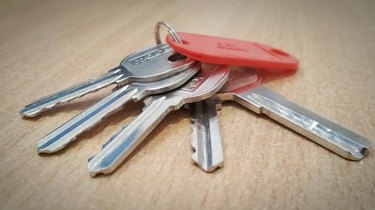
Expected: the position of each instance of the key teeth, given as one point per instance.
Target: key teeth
(198, 130)
(194, 140)
(194, 145)
(29, 113)
(24, 112)
(51, 149)
(46, 150)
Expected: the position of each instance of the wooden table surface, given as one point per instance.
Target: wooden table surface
(49, 45)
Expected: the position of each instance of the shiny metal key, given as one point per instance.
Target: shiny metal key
(205, 136)
(66, 133)
(148, 65)
(242, 88)
(204, 85)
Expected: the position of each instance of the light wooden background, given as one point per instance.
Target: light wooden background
(49, 45)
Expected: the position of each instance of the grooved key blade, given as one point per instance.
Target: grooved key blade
(205, 137)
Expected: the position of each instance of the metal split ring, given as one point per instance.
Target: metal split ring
(170, 31)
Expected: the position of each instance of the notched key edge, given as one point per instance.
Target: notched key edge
(70, 130)
(208, 155)
(60, 97)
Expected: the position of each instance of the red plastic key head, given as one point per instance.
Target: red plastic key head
(211, 49)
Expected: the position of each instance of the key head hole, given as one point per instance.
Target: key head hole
(176, 57)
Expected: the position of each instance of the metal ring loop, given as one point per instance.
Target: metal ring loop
(170, 31)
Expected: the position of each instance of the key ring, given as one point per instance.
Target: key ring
(170, 31)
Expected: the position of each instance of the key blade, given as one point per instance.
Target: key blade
(148, 65)
(124, 142)
(205, 137)
(200, 87)
(320, 130)
(71, 93)
(63, 135)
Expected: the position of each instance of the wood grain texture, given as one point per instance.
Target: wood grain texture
(48, 45)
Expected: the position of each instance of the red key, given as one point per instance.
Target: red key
(217, 50)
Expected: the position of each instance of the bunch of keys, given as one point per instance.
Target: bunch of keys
(168, 76)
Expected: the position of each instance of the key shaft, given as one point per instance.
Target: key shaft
(320, 130)
(124, 142)
(149, 65)
(205, 137)
(68, 132)
(71, 93)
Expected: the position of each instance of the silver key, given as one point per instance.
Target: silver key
(123, 143)
(205, 137)
(66, 133)
(242, 89)
(149, 65)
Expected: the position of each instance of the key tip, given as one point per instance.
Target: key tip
(206, 167)
(359, 154)
(94, 170)
(96, 167)
(43, 148)
(22, 113)
(25, 113)
(93, 174)
(29, 111)
(210, 168)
